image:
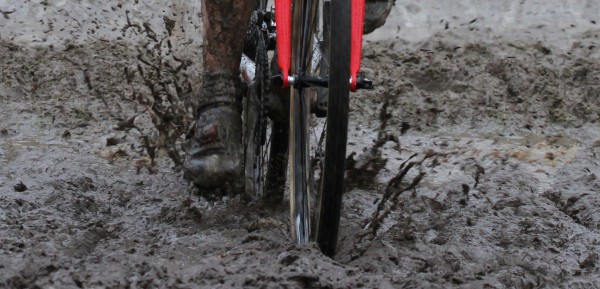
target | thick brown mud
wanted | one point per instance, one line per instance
(505, 135)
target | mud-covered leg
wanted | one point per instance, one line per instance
(225, 25)
(214, 150)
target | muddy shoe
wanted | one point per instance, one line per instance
(376, 12)
(214, 149)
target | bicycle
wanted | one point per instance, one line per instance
(303, 59)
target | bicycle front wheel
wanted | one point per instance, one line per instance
(311, 174)
(336, 132)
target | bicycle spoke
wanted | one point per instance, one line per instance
(299, 158)
(304, 16)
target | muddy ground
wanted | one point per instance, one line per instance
(504, 132)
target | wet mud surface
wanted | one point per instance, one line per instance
(503, 134)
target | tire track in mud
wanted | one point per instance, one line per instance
(577, 195)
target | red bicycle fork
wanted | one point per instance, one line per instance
(283, 16)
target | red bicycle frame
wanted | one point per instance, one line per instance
(283, 17)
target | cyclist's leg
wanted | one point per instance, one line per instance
(213, 153)
(225, 24)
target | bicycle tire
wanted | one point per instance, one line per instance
(332, 180)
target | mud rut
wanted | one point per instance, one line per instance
(503, 138)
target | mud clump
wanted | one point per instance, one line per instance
(20, 187)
